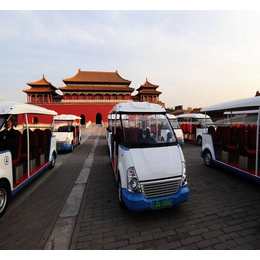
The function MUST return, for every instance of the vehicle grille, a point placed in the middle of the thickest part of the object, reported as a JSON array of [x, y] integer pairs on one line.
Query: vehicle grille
[[158, 188], [59, 144]]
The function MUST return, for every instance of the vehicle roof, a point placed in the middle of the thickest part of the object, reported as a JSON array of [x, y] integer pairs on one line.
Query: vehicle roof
[[14, 108], [240, 104], [195, 115], [170, 116], [241, 112], [66, 117], [138, 107]]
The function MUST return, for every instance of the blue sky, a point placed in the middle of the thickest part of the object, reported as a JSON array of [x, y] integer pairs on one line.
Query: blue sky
[[198, 58]]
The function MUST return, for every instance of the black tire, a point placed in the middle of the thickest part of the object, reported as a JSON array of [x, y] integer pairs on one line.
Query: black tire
[[199, 141], [53, 161], [4, 198], [119, 194], [72, 146], [207, 158]]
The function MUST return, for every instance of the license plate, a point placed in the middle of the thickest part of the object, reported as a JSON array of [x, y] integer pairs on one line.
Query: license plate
[[159, 204]]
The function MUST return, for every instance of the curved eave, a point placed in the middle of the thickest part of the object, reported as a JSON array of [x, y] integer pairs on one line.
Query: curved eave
[[147, 84], [43, 86], [96, 82], [42, 82], [97, 89], [151, 92], [95, 77], [39, 90]]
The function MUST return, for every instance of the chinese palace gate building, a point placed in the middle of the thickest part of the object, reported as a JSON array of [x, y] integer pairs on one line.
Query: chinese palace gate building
[[90, 95]]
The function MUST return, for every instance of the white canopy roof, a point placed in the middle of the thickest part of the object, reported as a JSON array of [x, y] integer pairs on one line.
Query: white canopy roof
[[138, 107], [241, 104], [170, 116], [14, 108], [195, 115], [241, 112], [66, 117]]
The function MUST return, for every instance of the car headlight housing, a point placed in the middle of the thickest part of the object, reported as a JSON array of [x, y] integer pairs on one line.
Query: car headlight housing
[[133, 184], [184, 176], [67, 141]]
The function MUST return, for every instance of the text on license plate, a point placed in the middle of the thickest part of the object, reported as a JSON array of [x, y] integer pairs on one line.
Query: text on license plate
[[159, 204]]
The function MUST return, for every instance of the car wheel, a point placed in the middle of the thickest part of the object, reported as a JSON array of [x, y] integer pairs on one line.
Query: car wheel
[[72, 147], [208, 158], [199, 141], [53, 161], [4, 198], [119, 194]]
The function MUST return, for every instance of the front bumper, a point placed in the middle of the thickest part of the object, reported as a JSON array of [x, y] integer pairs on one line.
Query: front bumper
[[137, 202], [63, 147]]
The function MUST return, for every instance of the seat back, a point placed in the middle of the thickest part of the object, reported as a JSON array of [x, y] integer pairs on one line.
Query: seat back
[[193, 129], [33, 143], [188, 130], [41, 139], [48, 134], [251, 136], [211, 130], [242, 142], [226, 135], [19, 148], [219, 132], [233, 136], [130, 136]]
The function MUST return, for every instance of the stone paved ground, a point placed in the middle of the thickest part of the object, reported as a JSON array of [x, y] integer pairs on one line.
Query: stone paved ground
[[27, 225], [223, 212]]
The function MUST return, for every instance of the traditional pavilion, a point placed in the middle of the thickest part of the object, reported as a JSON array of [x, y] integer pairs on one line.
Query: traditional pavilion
[[41, 91], [89, 94], [147, 92]]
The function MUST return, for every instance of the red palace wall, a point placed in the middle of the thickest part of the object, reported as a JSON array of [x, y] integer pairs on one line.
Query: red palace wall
[[91, 112]]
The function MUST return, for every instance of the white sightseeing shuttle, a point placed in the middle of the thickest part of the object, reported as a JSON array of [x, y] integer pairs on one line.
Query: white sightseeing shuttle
[[67, 132], [234, 145], [176, 127], [150, 170], [24, 152], [194, 125]]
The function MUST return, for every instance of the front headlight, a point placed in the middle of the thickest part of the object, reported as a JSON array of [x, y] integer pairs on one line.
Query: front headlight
[[184, 176], [67, 141], [132, 180]]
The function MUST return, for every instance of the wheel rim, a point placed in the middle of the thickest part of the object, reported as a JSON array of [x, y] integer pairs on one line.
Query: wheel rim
[[208, 159], [3, 199], [119, 191], [52, 161]]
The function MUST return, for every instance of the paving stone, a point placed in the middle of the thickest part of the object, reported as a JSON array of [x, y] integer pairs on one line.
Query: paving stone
[[223, 211]]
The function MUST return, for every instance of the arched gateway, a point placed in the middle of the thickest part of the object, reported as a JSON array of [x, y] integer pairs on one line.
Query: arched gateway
[[82, 120], [98, 118]]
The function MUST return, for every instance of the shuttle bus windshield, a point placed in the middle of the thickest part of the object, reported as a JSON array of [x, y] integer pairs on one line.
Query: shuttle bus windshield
[[147, 130]]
